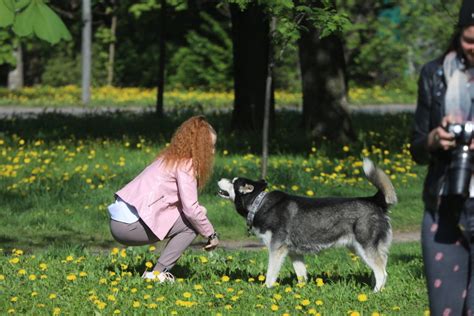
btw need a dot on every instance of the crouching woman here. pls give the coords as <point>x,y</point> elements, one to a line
<point>162,201</point>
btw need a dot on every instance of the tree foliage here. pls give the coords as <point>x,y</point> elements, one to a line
<point>33,17</point>
<point>205,61</point>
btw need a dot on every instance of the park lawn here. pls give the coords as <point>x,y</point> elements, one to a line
<point>77,281</point>
<point>107,96</point>
<point>58,173</point>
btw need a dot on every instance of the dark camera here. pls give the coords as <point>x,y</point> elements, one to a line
<point>459,170</point>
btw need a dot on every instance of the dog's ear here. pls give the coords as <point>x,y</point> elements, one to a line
<point>246,189</point>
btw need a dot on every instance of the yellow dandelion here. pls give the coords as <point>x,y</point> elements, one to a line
<point>261,278</point>
<point>32,277</point>
<point>362,297</point>
<point>136,304</point>
<point>305,302</point>
<point>345,148</point>
<point>319,302</point>
<point>71,277</point>
<point>225,278</point>
<point>149,265</point>
<point>319,282</point>
<point>52,296</point>
<point>274,307</point>
<point>14,260</point>
<point>187,295</point>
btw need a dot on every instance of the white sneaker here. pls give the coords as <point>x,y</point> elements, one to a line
<point>158,276</point>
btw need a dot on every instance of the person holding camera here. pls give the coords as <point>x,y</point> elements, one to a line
<point>162,201</point>
<point>442,138</point>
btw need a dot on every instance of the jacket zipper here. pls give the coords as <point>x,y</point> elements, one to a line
<point>156,201</point>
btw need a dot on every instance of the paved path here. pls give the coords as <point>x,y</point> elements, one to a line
<point>255,245</point>
<point>7,111</point>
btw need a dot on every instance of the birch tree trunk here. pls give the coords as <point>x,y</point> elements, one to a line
<point>113,32</point>
<point>15,77</point>
<point>86,51</point>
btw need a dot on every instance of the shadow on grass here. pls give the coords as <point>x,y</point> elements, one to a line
<point>286,136</point>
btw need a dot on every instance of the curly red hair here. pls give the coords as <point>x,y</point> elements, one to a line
<point>192,140</point>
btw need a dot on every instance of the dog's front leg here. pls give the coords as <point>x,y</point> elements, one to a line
<point>299,266</point>
<point>276,258</point>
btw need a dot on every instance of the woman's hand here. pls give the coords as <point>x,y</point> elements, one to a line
<point>439,138</point>
<point>212,243</point>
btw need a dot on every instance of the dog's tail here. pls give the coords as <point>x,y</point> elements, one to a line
<point>381,181</point>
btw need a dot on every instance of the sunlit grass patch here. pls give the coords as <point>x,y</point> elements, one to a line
<point>80,282</point>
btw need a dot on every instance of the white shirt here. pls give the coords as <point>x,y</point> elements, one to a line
<point>122,212</point>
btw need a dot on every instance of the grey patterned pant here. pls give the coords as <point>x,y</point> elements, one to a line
<point>137,234</point>
<point>448,255</point>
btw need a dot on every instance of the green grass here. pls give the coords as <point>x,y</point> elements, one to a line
<point>76,281</point>
<point>58,173</point>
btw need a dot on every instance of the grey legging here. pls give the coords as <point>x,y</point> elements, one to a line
<point>448,255</point>
<point>136,234</point>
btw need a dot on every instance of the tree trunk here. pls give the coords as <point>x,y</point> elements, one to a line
<point>250,37</point>
<point>113,32</point>
<point>15,77</point>
<point>86,51</point>
<point>161,61</point>
<point>268,100</point>
<point>324,86</point>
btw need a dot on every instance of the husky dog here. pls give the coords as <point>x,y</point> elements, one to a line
<point>294,225</point>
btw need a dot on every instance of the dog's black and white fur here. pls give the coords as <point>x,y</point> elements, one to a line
<point>293,225</point>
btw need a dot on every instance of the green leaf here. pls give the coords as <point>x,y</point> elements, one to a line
<point>39,19</point>
<point>48,26</point>
<point>23,25</point>
<point>7,12</point>
<point>21,4</point>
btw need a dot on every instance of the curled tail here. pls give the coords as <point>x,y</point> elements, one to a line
<point>381,181</point>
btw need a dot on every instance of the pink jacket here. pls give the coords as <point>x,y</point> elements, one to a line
<point>160,194</point>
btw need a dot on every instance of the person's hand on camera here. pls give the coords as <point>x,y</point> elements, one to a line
<point>440,138</point>
<point>212,242</point>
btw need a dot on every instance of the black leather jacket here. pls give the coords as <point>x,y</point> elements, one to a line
<point>428,115</point>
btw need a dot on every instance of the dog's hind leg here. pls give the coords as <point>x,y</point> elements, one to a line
<point>275,260</point>
<point>299,266</point>
<point>377,261</point>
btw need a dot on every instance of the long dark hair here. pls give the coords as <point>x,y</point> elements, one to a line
<point>455,43</point>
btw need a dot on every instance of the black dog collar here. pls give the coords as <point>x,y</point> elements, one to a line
<point>253,208</point>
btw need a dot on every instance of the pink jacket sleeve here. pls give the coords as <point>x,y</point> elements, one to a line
<point>194,212</point>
